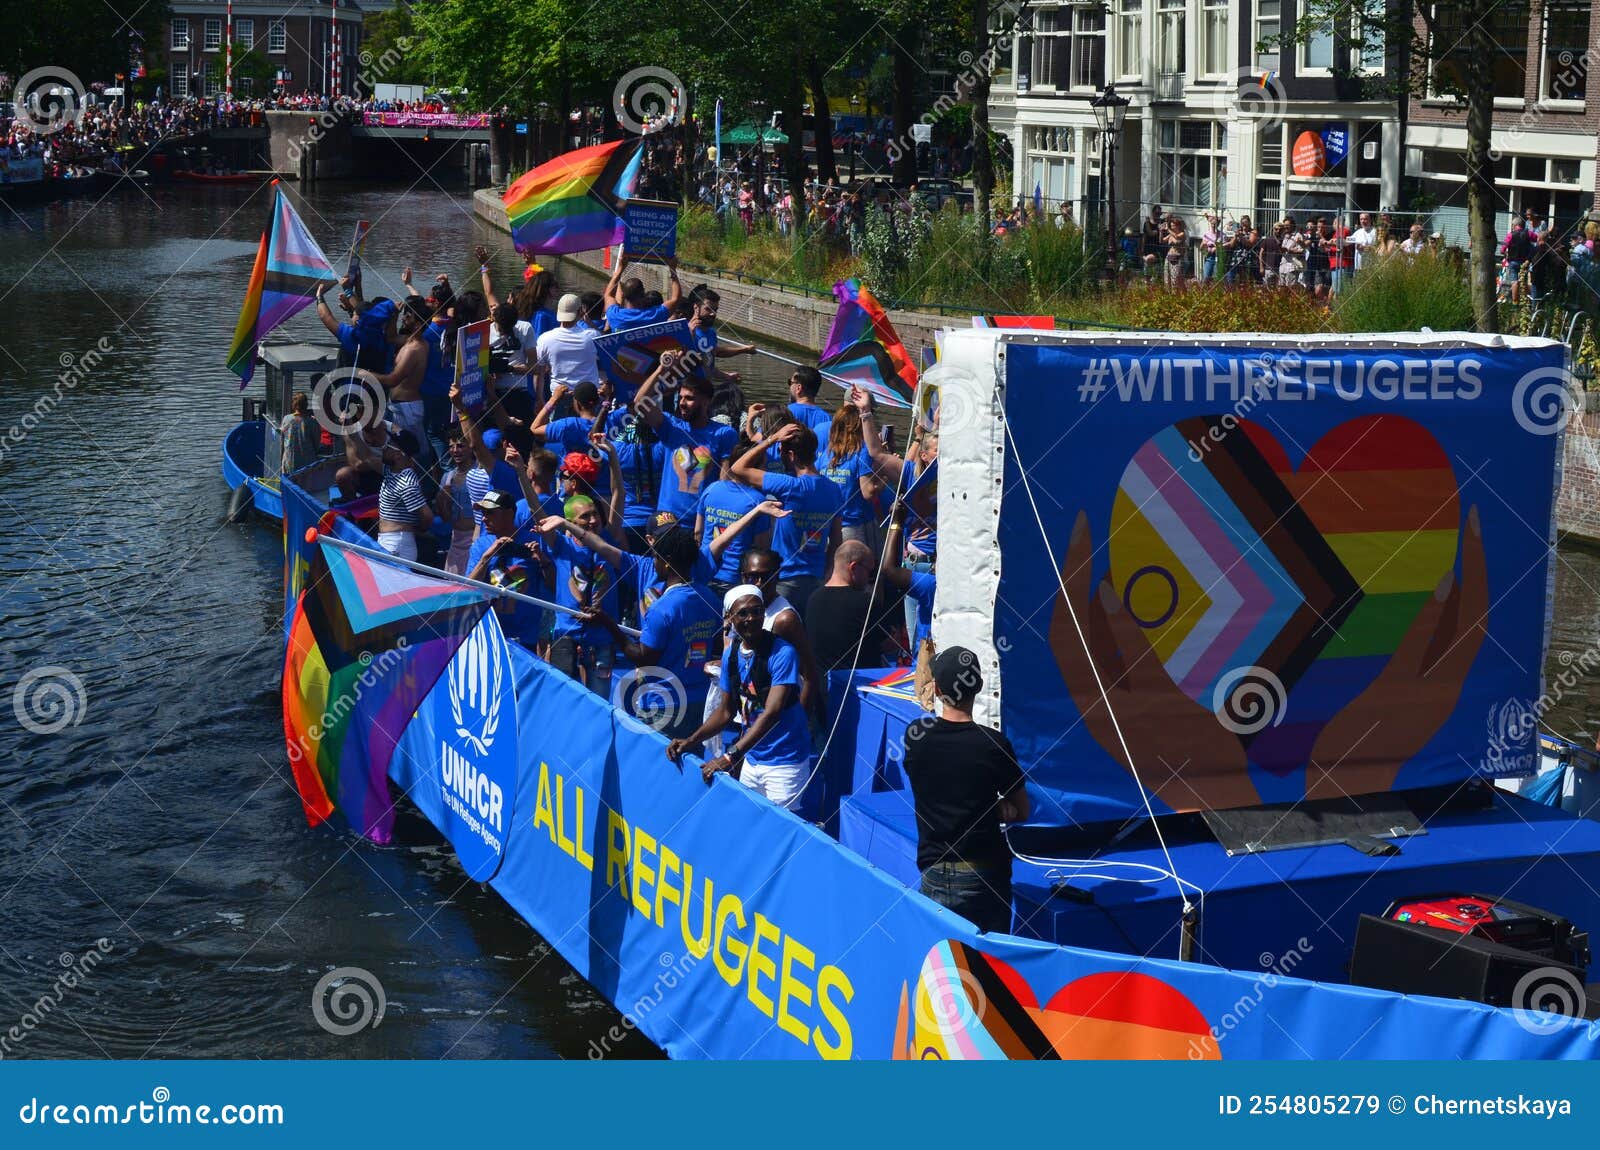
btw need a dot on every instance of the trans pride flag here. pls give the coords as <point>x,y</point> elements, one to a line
<point>367,643</point>
<point>573,203</point>
<point>288,267</point>
<point>862,347</point>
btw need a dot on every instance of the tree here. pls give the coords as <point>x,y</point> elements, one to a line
<point>389,49</point>
<point>77,39</point>
<point>250,64</point>
<point>1437,51</point>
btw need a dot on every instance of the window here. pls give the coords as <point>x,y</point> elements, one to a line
<point>1268,16</point>
<point>180,34</point>
<point>1088,47</point>
<point>1316,54</point>
<point>244,32</point>
<point>1000,41</point>
<point>277,37</point>
<point>1371,43</point>
<point>1508,33</point>
<point>1050,47</point>
<point>213,35</point>
<point>1510,40</point>
<point>1213,37</point>
<point>1193,163</point>
<point>1169,37</point>
<point>179,76</point>
<point>1130,51</point>
<point>1565,60</point>
<point>208,79</point>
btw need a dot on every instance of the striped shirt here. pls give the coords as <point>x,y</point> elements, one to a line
<point>400,498</point>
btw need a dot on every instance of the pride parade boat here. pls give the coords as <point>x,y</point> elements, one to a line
<point>1252,610</point>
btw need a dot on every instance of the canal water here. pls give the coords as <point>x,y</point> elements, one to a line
<point>153,846</point>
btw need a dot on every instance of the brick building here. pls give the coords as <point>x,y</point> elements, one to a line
<point>1214,118</point>
<point>298,41</point>
<point>1547,112</point>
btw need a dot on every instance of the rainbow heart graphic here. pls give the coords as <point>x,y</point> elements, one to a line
<point>969,1005</point>
<point>1243,569</point>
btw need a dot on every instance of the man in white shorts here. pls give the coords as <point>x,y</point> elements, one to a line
<point>760,682</point>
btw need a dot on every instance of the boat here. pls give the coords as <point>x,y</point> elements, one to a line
<point>111,180</point>
<point>251,452</point>
<point>195,177</point>
<point>1230,901</point>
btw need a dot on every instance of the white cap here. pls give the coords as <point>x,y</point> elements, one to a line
<point>742,591</point>
<point>569,308</point>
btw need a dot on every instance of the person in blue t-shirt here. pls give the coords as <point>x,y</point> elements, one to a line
<point>696,445</point>
<point>678,638</point>
<point>364,343</point>
<point>704,303</point>
<point>804,383</point>
<point>760,683</point>
<point>490,469</point>
<point>642,459</point>
<point>588,569</point>
<point>843,458</point>
<point>625,302</point>
<point>721,505</point>
<point>564,436</point>
<point>917,586</point>
<point>506,555</point>
<point>914,480</point>
<point>808,536</point>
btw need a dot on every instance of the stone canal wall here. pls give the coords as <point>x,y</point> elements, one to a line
<point>790,318</point>
<point>800,322</point>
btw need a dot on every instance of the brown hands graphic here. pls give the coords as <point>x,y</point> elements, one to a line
<point>1184,756</point>
<point>1363,747</point>
<point>1190,761</point>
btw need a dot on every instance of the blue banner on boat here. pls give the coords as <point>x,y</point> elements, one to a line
<point>724,927</point>
<point>475,719</point>
<point>628,357</point>
<point>1300,573</point>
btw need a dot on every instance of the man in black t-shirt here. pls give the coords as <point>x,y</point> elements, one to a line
<point>836,613</point>
<point>965,781</point>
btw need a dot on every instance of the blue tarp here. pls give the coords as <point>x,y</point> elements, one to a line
<point>726,928</point>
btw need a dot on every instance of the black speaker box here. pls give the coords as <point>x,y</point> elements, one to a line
<point>1411,959</point>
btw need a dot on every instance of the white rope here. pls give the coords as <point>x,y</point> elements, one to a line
<point>1105,697</point>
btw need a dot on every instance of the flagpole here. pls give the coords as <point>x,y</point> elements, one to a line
<point>839,379</point>
<point>228,65</point>
<point>314,536</point>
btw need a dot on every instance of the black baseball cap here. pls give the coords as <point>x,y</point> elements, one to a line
<point>495,500</point>
<point>956,675</point>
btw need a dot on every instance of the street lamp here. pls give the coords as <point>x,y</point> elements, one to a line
<point>855,102</point>
<point>1109,110</point>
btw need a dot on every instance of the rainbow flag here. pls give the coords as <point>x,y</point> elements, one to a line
<point>288,267</point>
<point>573,203</point>
<point>366,645</point>
<point>862,347</point>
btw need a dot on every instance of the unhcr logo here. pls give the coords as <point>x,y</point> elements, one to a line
<point>477,674</point>
<point>473,711</point>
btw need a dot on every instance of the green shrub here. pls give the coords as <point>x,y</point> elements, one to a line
<point>1397,293</point>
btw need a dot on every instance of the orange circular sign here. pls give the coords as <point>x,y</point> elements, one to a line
<point>1309,156</point>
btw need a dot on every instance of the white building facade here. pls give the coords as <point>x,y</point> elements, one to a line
<point>1213,121</point>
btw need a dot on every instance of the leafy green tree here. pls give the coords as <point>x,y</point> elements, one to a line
<point>91,43</point>
<point>1443,50</point>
